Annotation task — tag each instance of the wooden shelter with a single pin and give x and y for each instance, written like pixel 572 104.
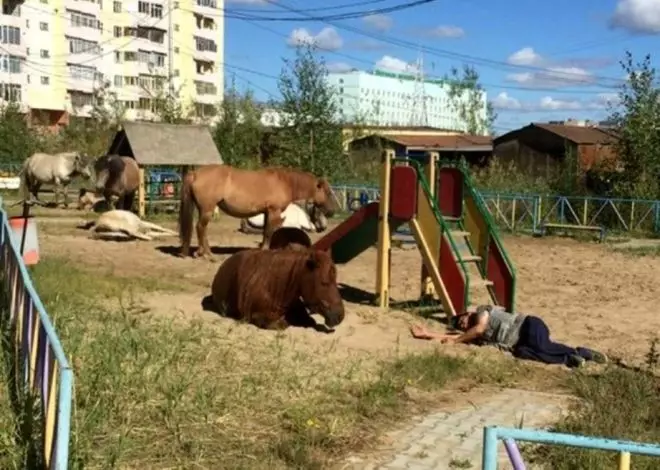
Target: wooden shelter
pixel 160 144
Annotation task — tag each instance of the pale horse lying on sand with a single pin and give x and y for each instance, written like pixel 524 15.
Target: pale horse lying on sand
pixel 125 225
pixel 293 216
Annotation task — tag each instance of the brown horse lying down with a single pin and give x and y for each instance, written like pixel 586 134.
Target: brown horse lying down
pixel 290 237
pixel 274 289
pixel 246 193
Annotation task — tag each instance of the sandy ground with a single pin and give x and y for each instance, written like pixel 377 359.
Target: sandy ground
pixel 588 294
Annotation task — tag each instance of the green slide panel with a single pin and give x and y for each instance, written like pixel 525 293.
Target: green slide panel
pixel 354 235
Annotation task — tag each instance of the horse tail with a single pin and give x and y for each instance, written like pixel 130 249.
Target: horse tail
pixel 24 181
pixel 186 208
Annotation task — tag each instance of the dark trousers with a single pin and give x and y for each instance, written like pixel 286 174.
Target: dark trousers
pixel 535 344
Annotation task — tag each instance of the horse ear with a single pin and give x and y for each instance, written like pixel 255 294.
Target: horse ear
pixel 312 262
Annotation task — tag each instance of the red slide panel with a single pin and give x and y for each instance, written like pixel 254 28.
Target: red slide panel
pixel 450 192
pixel 498 272
pixel 403 192
pixel 450 272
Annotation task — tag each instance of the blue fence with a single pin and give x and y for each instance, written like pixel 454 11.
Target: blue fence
pixel 516 212
pixel 493 434
pixel 41 367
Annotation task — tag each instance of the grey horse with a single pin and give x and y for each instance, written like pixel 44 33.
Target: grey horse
pixel 58 169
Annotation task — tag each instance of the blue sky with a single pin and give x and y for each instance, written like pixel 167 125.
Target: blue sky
pixel 538 60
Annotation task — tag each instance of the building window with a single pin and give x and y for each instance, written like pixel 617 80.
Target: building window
pixel 118 80
pixel 10 63
pixel 44 54
pixel 156 11
pixel 176 27
pixel 203 44
pixel 130 56
pixel 176 50
pixel 116 7
pixel 43 26
pixel 82 46
pixel 117 31
pixel 45 80
pixel 83 20
pixel 10 92
pixel 84 73
pixel 117 57
pixel 10 35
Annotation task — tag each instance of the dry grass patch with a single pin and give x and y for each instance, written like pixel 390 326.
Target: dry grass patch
pixel 156 393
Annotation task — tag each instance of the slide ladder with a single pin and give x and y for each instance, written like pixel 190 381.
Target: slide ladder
pixel 488 271
pixel 462 255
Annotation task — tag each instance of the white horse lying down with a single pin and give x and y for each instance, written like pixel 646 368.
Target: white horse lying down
pixel 124 224
pixel 294 216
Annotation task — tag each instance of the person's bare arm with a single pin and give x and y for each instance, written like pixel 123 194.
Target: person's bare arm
pixel 475 332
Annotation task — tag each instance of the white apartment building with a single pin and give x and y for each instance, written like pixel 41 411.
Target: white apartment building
pixel 388 99
pixel 54 54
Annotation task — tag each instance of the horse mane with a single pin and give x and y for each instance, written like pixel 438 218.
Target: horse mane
pixel 280 277
pixel 302 183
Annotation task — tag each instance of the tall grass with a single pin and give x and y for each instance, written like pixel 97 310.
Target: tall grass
pixel 153 392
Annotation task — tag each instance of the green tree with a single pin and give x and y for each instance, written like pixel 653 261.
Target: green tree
pixel 311 135
pixel 238 134
pixel 467 99
pixel 17 140
pixel 636 119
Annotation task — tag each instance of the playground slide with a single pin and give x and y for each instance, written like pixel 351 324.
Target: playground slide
pixel 354 235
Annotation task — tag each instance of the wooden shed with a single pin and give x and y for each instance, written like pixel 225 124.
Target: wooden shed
pixel 539 147
pixel 158 144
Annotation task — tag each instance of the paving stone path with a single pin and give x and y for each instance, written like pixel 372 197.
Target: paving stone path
pixel 453 440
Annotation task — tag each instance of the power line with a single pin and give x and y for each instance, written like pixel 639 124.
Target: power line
pixel 335 7
pixel 360 60
pixel 338 16
pixel 443 53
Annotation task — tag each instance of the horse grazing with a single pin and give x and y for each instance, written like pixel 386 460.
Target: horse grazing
pixel 117 178
pixel 58 169
pixel 274 289
pixel 290 237
pixel 244 193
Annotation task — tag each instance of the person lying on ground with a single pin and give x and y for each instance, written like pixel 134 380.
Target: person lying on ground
pixel 525 336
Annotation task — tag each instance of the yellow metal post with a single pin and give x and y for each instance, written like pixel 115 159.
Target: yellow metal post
pixel 624 461
pixel 427 290
pixel 142 204
pixel 585 211
pixel 384 240
pixel 513 215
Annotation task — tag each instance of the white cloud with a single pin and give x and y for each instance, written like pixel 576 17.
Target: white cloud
pixel 339 67
pixel 504 101
pixel 553 75
pixel 548 103
pixel 367 45
pixel 442 31
pixel 603 101
pixel 327 39
pixel 392 64
pixel 525 56
pixel 637 16
pixel 379 22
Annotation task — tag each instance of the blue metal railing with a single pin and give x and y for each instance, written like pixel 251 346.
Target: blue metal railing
pixel 519 211
pixel 40 363
pixel 493 434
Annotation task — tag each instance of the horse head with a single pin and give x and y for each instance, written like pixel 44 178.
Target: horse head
pixel 317 217
pixel 81 165
pixel 324 199
pixel 318 288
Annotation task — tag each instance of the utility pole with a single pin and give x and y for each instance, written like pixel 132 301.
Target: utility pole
pixel 419 115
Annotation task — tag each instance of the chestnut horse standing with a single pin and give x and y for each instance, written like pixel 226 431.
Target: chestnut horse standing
pixel 244 193
pixel 273 289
